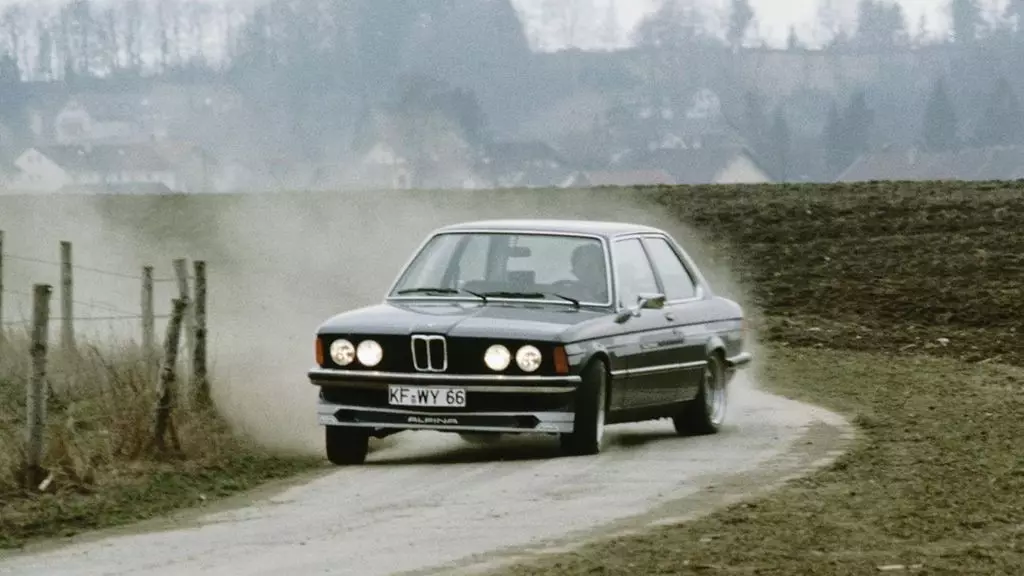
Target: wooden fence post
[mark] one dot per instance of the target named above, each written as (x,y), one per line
(181,273)
(67,333)
(35,423)
(1,285)
(168,370)
(148,316)
(200,385)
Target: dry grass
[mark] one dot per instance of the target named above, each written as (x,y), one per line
(936,483)
(100,416)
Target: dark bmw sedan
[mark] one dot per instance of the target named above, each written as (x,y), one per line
(531,326)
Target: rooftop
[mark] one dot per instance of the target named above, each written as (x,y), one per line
(590,227)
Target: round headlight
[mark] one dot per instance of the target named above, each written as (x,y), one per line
(528,358)
(497,357)
(369,353)
(342,352)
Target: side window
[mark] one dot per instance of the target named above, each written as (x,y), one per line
(634,272)
(679,285)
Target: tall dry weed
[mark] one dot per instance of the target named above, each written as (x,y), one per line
(101,403)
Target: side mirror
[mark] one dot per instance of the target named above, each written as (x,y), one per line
(651,302)
(643,302)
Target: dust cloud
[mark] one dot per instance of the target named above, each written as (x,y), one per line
(279,265)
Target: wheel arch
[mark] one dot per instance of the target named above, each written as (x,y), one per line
(601,356)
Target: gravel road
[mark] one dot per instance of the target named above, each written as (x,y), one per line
(434,503)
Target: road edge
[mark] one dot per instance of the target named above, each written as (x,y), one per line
(828,436)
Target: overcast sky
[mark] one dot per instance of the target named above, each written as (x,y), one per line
(774,16)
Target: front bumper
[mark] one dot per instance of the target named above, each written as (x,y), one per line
(330,414)
(494,403)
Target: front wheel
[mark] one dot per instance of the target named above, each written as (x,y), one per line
(345,445)
(705,414)
(588,429)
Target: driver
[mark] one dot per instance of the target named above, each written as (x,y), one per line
(588,267)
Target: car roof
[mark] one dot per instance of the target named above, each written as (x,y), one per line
(590,227)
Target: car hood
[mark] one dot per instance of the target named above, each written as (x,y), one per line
(526,320)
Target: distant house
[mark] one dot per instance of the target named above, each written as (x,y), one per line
(382,167)
(197,112)
(101,118)
(52,168)
(597,178)
(392,154)
(525,164)
(973,164)
(717,165)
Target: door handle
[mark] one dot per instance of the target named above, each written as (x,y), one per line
(670,316)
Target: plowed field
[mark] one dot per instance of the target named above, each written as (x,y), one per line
(891,267)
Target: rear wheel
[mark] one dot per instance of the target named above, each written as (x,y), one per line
(705,414)
(345,445)
(591,401)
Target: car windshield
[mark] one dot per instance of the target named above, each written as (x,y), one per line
(507,265)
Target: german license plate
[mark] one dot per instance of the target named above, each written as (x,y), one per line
(434,397)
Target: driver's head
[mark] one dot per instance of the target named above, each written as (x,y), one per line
(588,264)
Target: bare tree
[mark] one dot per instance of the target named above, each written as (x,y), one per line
(131,32)
(741,16)
(44,54)
(610,25)
(831,19)
(567,17)
(14,23)
(109,54)
(967,20)
(163,35)
(198,16)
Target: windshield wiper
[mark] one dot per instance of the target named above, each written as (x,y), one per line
(531,295)
(435,290)
(575,302)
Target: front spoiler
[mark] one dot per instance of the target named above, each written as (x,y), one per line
(330,414)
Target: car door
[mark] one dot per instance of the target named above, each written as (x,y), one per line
(645,335)
(685,350)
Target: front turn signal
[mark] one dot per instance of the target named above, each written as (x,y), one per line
(318,352)
(561,360)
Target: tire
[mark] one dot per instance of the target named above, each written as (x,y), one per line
(591,403)
(346,446)
(705,414)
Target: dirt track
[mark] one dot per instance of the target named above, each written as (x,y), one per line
(435,503)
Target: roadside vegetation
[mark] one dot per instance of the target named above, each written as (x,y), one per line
(898,305)
(100,416)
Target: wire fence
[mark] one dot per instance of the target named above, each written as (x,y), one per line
(187,296)
(126,302)
(99,271)
(121,312)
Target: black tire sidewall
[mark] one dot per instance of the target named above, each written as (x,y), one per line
(583,440)
(346,445)
(695,417)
